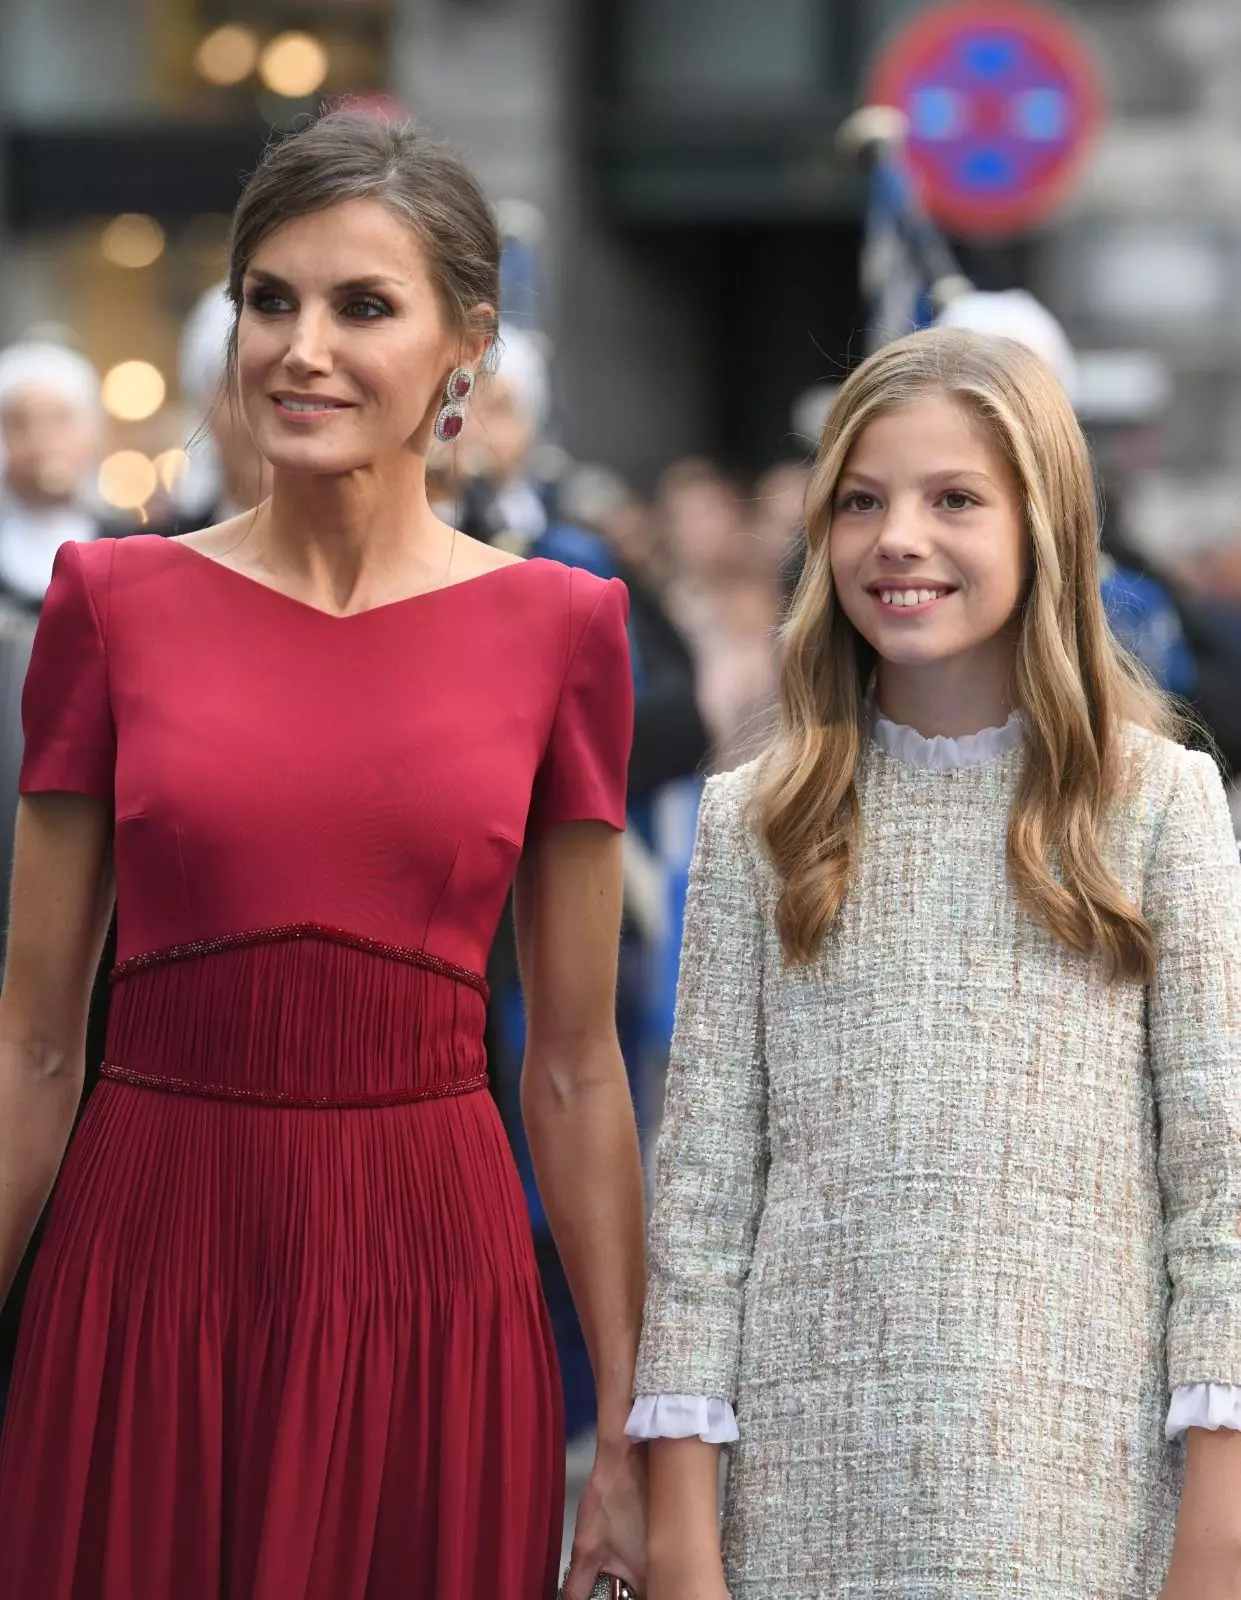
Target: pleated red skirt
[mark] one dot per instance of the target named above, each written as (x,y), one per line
(285,1338)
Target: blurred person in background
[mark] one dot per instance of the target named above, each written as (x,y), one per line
(505,500)
(1139,607)
(704,529)
(725,593)
(51,439)
(738,676)
(596,497)
(51,436)
(778,518)
(226,473)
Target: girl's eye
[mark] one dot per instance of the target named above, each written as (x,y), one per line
(366,307)
(858,500)
(957,500)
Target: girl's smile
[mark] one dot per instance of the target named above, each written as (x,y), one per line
(910,600)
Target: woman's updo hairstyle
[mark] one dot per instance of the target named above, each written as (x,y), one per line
(347,155)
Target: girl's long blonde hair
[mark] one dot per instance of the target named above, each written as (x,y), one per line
(1076,687)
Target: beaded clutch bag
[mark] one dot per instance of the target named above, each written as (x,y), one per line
(607,1588)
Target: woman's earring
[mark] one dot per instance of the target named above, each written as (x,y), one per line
(450,418)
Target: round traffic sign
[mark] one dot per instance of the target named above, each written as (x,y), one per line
(1003,99)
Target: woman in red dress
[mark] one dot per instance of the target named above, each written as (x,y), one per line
(285,1338)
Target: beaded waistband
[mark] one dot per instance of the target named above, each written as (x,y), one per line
(290,1102)
(291,932)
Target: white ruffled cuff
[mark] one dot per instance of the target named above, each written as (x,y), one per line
(682,1416)
(689,1416)
(1203,1405)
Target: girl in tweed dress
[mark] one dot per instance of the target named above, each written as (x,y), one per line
(947,1228)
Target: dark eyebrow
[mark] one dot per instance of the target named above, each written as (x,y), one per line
(270,280)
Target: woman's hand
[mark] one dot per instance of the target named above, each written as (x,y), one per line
(611,1522)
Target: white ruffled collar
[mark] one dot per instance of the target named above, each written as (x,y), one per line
(941,754)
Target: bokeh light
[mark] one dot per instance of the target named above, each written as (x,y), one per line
(133,390)
(170,467)
(227,56)
(132,240)
(293,65)
(127,480)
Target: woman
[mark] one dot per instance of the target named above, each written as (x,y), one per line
(285,1336)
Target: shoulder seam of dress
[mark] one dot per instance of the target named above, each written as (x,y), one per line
(75,555)
(573,646)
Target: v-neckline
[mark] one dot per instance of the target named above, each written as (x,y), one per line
(345,616)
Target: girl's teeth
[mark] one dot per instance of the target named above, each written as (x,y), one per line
(909,597)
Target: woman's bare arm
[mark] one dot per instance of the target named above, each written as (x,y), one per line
(580,1123)
(61,904)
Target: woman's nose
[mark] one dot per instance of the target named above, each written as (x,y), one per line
(309,344)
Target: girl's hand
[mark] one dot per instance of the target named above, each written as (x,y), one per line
(1206,1552)
(1202,1580)
(681,1579)
(611,1522)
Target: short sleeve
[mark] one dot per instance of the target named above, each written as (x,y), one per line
(582,776)
(66,709)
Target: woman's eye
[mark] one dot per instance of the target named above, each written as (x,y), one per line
(365,308)
(958,500)
(266,302)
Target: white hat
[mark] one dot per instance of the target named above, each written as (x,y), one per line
(523,367)
(37,364)
(204,346)
(1015,314)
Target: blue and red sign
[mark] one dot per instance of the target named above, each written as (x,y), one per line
(1003,100)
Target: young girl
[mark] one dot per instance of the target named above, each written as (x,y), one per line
(949,1188)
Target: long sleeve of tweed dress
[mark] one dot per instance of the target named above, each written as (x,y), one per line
(1193,904)
(711,1164)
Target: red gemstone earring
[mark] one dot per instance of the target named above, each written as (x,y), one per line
(450,418)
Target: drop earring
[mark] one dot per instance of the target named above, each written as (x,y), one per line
(450,418)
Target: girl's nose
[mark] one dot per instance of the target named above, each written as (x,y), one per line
(904,535)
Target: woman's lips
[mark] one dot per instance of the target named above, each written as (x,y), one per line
(307,408)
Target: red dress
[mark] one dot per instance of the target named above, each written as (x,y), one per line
(285,1338)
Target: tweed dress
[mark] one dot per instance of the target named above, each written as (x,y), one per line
(945,1215)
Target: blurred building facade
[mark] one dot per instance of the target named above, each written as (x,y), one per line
(700,233)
